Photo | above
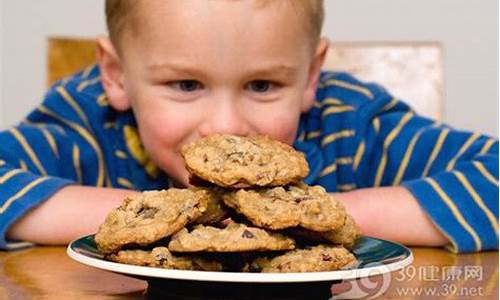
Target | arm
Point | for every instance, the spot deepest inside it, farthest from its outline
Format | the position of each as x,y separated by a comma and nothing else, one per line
61,144
449,178
418,180
391,213
71,212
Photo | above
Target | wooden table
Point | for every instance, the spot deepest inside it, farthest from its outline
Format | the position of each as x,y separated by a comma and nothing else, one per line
48,273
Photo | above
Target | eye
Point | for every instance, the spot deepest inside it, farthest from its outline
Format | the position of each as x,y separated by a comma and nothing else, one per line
259,86
186,85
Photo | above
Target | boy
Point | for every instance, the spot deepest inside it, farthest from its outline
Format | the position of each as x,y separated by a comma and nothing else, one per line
175,71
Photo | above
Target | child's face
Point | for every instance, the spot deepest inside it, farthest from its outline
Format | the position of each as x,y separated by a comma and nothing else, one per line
194,67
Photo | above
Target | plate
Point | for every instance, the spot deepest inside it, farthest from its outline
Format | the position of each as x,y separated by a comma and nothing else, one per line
375,257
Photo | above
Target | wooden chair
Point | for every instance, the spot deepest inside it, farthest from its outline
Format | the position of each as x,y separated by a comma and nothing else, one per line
410,71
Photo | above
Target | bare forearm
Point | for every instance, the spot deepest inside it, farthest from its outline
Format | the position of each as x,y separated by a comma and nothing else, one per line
71,212
392,213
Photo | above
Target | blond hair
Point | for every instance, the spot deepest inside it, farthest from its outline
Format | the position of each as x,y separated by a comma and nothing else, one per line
118,13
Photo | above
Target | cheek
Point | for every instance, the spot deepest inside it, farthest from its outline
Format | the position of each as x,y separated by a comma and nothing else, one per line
279,124
163,132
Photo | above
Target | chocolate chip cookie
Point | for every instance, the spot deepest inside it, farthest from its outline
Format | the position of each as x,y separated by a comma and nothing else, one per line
316,259
216,209
346,235
160,257
150,216
233,238
310,207
238,162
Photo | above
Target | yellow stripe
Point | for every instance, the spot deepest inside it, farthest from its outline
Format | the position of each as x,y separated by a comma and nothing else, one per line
67,97
86,83
337,135
108,125
108,182
435,151
330,169
390,105
121,154
479,166
406,159
346,187
376,125
455,212
51,141
76,164
344,160
472,192
86,71
45,126
87,136
124,182
359,154
390,138
336,110
9,175
65,80
487,146
23,165
27,148
2,163
302,136
317,104
102,100
313,134
21,193
332,101
348,86
462,150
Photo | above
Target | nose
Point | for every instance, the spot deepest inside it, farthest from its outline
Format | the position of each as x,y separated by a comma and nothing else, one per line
225,116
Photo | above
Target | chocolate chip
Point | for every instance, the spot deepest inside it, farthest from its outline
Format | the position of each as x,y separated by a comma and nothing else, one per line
326,257
247,234
148,213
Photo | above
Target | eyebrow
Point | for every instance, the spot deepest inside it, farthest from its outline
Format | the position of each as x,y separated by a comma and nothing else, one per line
267,70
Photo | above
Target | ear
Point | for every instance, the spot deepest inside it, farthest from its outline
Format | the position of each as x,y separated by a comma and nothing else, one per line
314,72
111,74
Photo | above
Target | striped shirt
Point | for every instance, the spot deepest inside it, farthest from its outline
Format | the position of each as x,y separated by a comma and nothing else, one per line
355,136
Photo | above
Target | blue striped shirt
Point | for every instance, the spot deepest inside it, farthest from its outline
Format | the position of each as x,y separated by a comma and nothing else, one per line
355,136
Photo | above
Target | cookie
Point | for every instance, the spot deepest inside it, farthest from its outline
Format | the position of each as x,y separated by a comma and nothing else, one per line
284,207
150,216
239,162
346,235
233,238
160,257
216,209
316,259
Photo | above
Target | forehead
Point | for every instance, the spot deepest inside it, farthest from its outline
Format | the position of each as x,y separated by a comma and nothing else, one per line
218,30
219,17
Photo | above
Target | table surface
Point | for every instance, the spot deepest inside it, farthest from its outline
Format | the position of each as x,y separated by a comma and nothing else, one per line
48,273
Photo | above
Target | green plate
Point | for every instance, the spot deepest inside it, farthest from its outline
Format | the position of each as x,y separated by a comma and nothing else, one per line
375,256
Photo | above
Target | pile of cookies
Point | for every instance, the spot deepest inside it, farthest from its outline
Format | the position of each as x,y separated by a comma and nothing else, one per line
249,213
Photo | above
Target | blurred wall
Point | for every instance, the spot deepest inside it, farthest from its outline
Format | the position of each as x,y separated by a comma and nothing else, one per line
467,29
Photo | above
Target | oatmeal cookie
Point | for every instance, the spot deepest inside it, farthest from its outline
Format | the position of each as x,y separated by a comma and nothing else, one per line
276,208
160,257
238,162
150,216
216,209
234,238
346,235
316,259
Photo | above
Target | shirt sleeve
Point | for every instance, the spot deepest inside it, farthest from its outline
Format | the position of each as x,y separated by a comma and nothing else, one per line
453,174
53,147
30,172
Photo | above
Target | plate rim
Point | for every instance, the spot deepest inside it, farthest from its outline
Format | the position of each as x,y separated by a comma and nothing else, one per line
238,277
